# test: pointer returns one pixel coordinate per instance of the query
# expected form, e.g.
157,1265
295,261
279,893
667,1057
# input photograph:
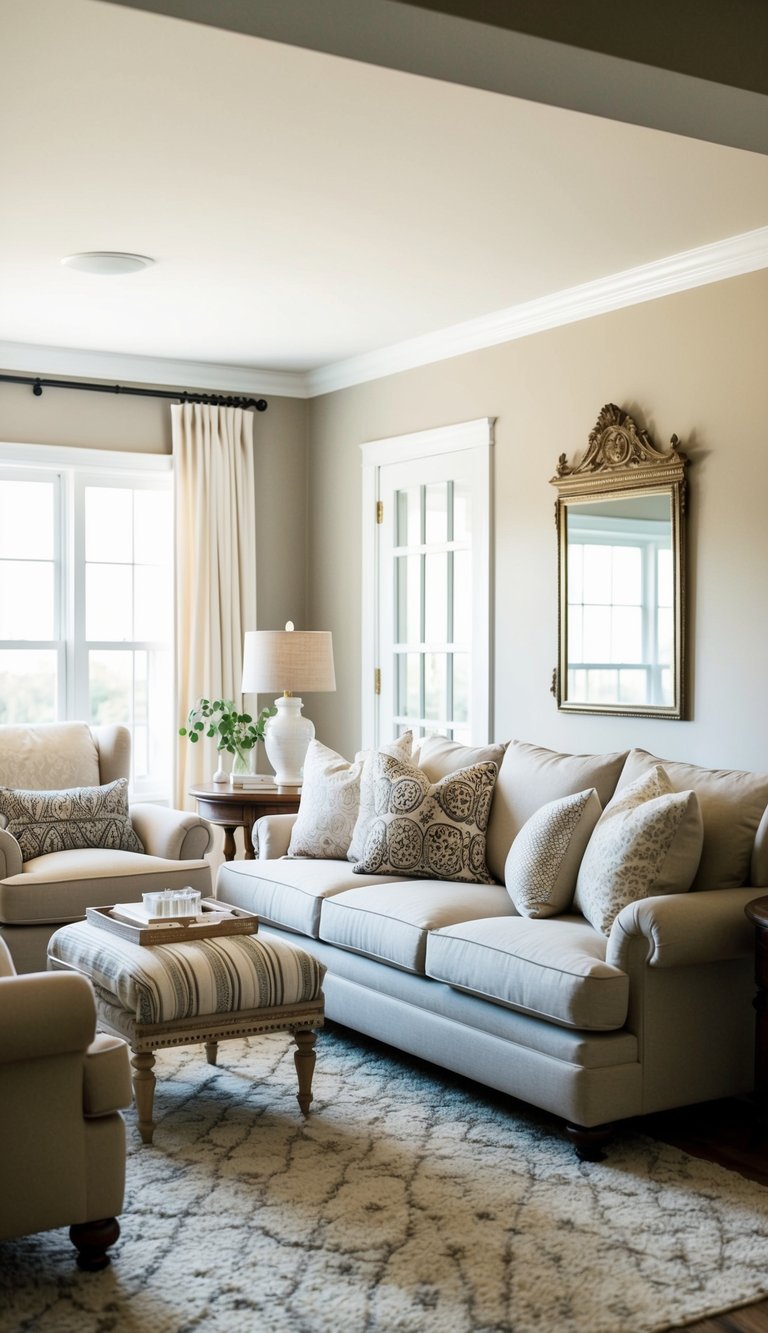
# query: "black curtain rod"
209,399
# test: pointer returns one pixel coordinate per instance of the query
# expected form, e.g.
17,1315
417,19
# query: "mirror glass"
621,584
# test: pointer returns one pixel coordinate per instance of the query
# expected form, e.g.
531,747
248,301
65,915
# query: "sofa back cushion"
49,756
437,756
531,776
733,804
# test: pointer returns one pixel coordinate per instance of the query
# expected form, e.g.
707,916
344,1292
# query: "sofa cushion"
49,755
399,749
647,842
555,969
390,922
437,756
426,830
59,887
328,809
529,777
52,821
543,861
288,892
732,806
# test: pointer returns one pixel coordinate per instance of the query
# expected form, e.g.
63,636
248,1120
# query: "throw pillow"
398,749
56,821
647,841
543,861
428,830
330,797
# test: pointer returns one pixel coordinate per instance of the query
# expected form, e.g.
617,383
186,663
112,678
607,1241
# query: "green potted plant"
233,731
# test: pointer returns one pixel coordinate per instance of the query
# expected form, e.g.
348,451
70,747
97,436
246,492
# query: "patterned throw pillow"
399,749
428,830
543,861
57,821
647,841
330,798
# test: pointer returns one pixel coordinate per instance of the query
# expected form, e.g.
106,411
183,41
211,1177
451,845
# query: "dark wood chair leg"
92,1240
589,1143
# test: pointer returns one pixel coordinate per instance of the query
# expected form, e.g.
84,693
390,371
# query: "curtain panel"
215,487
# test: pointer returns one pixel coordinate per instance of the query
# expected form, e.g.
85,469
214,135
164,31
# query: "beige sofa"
592,1026
39,893
61,1090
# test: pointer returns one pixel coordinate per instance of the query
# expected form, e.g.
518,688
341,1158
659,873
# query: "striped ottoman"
206,990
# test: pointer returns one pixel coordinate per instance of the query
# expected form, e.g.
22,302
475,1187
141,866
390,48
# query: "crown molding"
745,253
730,258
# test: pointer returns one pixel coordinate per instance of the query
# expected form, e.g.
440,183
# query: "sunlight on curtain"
215,567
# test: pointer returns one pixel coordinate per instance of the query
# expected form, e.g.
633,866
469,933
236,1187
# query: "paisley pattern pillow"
57,821
543,861
330,798
647,841
399,749
428,830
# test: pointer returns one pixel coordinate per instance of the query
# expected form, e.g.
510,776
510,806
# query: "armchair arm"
176,835
10,855
685,928
45,1013
106,1076
271,835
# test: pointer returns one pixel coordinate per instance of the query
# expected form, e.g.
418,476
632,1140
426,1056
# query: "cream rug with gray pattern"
407,1201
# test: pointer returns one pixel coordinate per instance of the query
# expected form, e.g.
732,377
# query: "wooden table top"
224,792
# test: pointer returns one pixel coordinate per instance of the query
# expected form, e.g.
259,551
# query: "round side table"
240,807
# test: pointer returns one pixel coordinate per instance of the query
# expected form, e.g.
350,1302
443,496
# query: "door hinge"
379,511
377,680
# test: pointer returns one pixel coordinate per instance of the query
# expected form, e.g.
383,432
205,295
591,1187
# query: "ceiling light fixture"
107,263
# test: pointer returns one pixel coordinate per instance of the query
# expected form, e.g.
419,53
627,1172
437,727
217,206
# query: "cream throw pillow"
429,830
543,861
330,797
647,841
398,749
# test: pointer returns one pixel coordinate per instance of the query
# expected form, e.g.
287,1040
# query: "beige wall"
693,364
143,425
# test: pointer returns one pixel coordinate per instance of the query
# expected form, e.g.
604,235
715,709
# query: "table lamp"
290,660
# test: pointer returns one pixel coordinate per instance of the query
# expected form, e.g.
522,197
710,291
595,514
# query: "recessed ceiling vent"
107,263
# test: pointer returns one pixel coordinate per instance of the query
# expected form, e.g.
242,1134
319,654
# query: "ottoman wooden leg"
211,1051
144,1092
304,1059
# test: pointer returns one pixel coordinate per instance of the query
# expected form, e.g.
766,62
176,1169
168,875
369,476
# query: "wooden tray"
237,922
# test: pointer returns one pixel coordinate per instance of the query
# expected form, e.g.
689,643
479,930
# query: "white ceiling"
305,209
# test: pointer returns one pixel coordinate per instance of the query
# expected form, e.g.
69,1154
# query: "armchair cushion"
59,887
54,821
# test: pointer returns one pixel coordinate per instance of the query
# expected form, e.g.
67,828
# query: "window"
86,603
426,622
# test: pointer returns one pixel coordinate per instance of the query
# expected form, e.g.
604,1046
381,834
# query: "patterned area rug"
407,1201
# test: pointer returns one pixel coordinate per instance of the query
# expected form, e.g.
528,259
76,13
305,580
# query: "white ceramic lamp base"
286,738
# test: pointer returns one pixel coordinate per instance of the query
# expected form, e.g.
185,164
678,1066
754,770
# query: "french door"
427,585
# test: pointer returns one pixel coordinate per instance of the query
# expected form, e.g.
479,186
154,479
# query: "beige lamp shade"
287,661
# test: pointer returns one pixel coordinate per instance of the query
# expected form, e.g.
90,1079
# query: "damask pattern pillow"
398,749
57,821
330,798
647,841
544,859
428,830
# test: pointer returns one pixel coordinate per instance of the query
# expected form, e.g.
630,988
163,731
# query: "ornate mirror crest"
620,514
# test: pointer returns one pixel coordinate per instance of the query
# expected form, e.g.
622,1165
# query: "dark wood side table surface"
240,807
757,913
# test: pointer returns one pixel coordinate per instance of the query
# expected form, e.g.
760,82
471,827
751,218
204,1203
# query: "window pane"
575,634
408,610
666,634
632,687
26,519
435,686
110,686
461,687
408,685
152,528
664,577
28,685
436,517
153,611
27,602
597,574
462,598
462,512
109,523
597,634
627,575
108,602
436,598
627,637
408,516
575,573
601,687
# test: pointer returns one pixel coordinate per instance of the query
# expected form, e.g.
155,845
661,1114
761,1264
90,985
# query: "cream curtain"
215,567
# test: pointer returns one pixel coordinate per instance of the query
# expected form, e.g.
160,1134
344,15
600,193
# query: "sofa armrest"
10,855
106,1076
271,835
682,929
176,835
45,1013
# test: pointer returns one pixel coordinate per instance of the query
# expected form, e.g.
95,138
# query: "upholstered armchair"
61,1090
84,847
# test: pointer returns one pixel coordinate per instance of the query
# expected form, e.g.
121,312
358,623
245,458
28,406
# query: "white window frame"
478,437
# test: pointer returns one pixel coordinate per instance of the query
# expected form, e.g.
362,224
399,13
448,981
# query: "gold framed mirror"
620,516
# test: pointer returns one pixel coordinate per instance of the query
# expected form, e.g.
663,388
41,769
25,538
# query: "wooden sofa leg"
589,1143
92,1240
